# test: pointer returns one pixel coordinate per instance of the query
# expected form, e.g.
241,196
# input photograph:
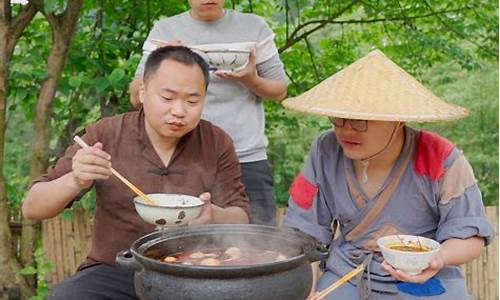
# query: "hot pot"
287,279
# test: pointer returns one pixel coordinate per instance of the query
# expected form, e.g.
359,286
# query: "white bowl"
411,263
173,209
225,59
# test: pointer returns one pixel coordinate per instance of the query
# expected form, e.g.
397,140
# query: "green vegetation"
107,47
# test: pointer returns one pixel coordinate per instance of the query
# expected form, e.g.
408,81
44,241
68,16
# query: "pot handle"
126,260
320,253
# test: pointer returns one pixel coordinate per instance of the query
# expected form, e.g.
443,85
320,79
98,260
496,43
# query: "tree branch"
333,17
70,16
38,4
313,61
19,24
5,12
287,12
294,37
461,35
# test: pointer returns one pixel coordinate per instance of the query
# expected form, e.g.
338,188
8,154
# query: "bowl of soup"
170,210
408,253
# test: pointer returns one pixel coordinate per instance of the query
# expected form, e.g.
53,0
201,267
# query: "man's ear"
142,91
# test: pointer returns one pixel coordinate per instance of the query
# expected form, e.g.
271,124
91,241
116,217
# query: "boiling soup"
225,257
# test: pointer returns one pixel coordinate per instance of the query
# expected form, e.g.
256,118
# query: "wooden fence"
66,243
482,273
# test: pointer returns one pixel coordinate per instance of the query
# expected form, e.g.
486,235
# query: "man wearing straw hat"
163,148
374,176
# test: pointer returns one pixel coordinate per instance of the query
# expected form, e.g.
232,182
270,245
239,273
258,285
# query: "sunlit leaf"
75,81
116,76
28,271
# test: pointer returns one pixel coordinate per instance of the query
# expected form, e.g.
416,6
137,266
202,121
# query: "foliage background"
456,55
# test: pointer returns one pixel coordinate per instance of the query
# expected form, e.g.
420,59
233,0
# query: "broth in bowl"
409,248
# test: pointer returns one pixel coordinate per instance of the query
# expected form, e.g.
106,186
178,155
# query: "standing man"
234,99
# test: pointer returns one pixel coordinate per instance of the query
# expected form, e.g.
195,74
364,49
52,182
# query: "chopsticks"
338,283
145,197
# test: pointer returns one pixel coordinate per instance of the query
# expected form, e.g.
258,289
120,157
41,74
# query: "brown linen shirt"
204,161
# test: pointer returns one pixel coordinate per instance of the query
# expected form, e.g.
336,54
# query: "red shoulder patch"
303,191
432,150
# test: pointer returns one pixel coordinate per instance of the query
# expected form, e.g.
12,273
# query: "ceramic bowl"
173,209
225,59
410,262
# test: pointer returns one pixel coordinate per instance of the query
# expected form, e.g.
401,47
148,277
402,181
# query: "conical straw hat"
375,88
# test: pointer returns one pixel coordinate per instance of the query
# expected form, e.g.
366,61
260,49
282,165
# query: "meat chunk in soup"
170,259
233,253
210,262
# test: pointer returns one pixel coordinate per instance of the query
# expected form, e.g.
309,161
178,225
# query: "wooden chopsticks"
145,197
338,283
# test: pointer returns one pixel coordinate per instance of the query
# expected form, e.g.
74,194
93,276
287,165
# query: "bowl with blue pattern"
171,210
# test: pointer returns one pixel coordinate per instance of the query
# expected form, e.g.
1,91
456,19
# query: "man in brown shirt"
164,148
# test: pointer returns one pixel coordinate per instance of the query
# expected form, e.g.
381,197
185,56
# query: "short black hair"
180,54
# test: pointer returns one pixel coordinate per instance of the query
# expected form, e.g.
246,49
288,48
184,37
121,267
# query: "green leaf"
50,6
75,81
39,252
21,94
116,76
43,291
67,215
88,201
29,270
101,84
45,267
54,6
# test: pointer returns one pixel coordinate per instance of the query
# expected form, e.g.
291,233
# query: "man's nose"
179,108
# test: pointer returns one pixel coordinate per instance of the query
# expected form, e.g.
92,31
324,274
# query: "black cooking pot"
288,279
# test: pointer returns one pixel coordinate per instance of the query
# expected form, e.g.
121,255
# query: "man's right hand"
90,164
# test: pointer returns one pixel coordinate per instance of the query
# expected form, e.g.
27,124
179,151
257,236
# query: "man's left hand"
436,264
206,214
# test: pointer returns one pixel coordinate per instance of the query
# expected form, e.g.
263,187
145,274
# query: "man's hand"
436,264
246,76
206,214
90,164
